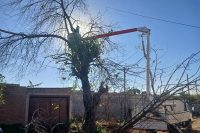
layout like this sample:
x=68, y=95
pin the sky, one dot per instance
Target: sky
x=174, y=41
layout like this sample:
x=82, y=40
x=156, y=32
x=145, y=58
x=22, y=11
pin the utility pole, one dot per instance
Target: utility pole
x=196, y=87
x=148, y=66
x=146, y=31
x=125, y=102
x=188, y=85
x=124, y=79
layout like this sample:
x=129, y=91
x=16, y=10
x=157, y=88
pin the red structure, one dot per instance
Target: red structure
x=141, y=29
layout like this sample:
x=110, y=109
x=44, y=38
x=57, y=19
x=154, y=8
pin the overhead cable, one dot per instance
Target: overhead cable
x=154, y=18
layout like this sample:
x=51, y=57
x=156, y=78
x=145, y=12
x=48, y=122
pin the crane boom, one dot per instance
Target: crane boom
x=141, y=29
x=116, y=33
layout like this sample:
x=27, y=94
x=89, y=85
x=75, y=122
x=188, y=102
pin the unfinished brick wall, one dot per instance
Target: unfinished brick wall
x=13, y=111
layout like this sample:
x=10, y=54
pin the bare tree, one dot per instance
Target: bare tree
x=52, y=31
x=173, y=84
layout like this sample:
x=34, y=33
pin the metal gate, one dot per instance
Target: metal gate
x=54, y=109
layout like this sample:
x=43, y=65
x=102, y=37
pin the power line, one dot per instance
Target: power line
x=154, y=18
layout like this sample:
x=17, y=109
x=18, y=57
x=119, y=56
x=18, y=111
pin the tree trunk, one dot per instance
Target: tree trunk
x=90, y=108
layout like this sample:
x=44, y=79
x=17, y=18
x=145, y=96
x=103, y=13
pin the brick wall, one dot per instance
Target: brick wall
x=16, y=107
x=13, y=111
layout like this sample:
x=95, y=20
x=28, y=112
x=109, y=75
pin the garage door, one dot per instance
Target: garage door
x=53, y=109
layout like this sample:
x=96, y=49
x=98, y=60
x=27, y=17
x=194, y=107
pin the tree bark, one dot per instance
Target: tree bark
x=90, y=108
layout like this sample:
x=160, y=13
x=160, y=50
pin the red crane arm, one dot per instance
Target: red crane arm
x=141, y=29
x=116, y=33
